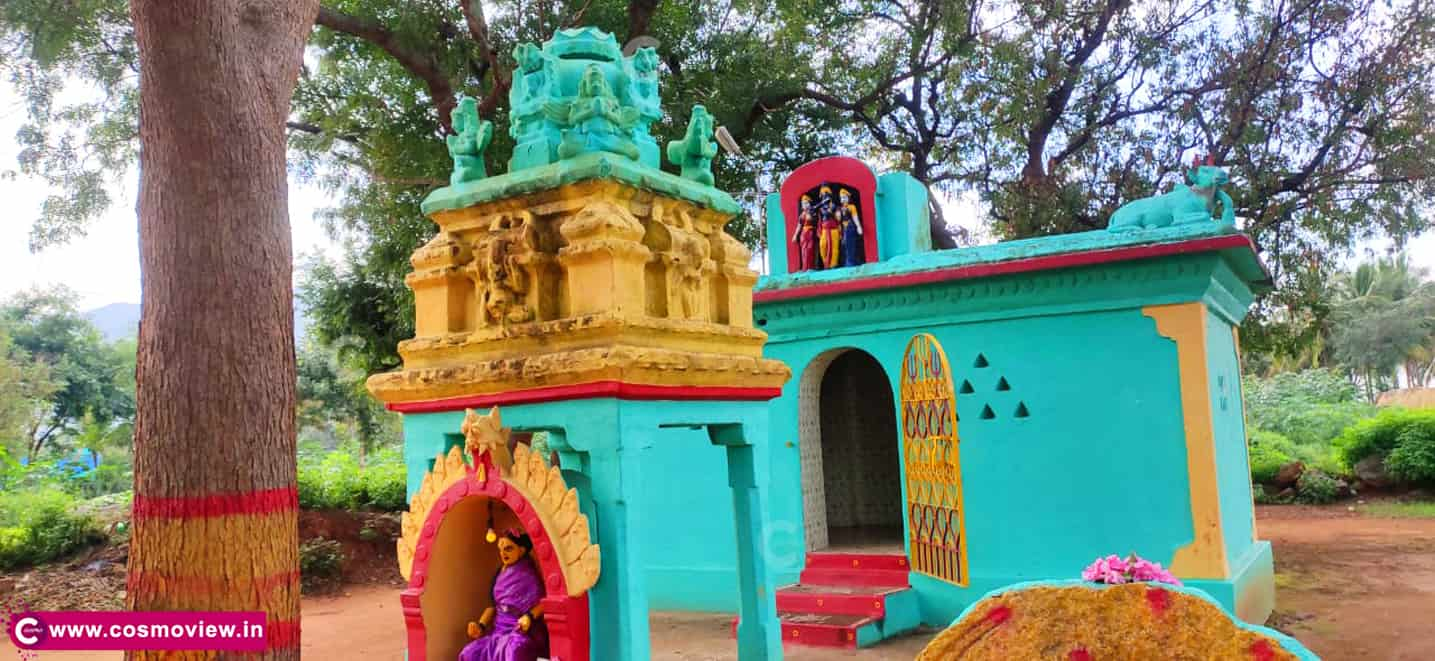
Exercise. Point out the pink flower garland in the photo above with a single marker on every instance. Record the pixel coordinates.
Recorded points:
(1134, 569)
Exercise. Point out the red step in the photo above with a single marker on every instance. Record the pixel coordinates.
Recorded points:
(842, 599)
(880, 561)
(820, 629)
(834, 599)
(844, 569)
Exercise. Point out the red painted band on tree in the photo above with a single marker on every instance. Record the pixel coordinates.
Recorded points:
(268, 501)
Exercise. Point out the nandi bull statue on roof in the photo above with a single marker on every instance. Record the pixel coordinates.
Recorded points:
(1192, 202)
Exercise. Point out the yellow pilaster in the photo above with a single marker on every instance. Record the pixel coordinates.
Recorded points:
(1205, 556)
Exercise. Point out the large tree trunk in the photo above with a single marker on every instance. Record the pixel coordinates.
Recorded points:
(215, 507)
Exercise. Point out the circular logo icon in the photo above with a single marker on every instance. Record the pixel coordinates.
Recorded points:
(26, 631)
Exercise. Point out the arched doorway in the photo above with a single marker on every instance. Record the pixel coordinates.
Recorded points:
(444, 539)
(851, 465)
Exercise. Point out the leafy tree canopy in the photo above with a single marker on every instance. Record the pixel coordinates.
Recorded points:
(1055, 113)
(93, 381)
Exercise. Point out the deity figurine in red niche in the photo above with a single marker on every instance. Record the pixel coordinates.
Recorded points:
(806, 235)
(829, 231)
(851, 222)
(512, 629)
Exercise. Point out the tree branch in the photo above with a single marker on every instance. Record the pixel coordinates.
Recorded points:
(640, 17)
(315, 129)
(1057, 99)
(424, 66)
(772, 102)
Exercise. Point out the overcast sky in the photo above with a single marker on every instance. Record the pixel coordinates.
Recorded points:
(104, 268)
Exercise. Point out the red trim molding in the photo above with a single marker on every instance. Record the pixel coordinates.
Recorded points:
(618, 389)
(269, 501)
(1029, 264)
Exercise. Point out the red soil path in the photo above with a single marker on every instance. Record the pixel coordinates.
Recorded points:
(1349, 586)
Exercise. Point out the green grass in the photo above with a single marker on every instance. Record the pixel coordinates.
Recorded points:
(1394, 510)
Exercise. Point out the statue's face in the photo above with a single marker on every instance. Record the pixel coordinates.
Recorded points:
(806, 204)
(1206, 176)
(844, 197)
(509, 551)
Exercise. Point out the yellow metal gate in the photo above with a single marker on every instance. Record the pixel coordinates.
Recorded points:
(930, 449)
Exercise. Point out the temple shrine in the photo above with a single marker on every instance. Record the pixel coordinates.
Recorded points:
(868, 439)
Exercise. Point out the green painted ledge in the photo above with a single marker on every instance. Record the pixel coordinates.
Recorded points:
(1243, 260)
(580, 168)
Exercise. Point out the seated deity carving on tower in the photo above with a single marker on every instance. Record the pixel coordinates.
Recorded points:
(595, 120)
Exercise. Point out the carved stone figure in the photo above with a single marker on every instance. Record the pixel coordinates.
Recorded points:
(530, 82)
(643, 95)
(693, 265)
(851, 221)
(829, 231)
(486, 434)
(512, 629)
(805, 236)
(695, 152)
(1192, 202)
(595, 119)
(466, 147)
(500, 274)
(547, 90)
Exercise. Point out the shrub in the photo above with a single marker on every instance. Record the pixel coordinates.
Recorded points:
(40, 525)
(1413, 458)
(57, 533)
(321, 562)
(1316, 488)
(1263, 497)
(311, 487)
(14, 547)
(1379, 436)
(343, 480)
(1311, 407)
(1269, 451)
(335, 481)
(386, 486)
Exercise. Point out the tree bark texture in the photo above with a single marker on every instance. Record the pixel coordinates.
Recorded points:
(215, 507)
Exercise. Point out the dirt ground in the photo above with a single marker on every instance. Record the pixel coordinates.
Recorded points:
(1349, 586)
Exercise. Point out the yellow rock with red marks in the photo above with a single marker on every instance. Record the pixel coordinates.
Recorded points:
(1082, 622)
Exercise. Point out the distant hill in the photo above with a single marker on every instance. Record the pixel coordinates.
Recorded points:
(120, 320)
(116, 320)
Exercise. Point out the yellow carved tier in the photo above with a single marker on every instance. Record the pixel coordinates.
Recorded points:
(541, 485)
(592, 281)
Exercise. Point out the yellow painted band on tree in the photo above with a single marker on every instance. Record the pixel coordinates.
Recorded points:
(221, 547)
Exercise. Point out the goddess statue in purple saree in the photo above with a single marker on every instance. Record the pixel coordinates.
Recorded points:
(517, 589)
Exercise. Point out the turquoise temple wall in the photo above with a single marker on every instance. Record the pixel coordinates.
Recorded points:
(1098, 465)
